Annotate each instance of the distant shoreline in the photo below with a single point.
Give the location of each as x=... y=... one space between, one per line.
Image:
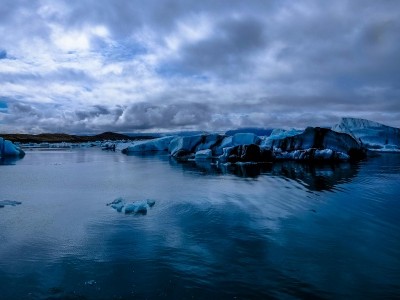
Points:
x=62 y=137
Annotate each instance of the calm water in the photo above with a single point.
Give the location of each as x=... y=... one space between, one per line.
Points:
x=286 y=231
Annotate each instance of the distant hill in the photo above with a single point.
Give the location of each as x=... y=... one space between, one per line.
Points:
x=255 y=130
x=62 y=137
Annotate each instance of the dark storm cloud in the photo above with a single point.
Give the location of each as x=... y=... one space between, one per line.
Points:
x=124 y=17
x=228 y=49
x=23 y=110
x=145 y=116
x=96 y=111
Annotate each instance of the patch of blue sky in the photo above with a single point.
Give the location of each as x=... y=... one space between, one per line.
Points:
x=172 y=70
x=3 y=106
x=3 y=54
x=125 y=50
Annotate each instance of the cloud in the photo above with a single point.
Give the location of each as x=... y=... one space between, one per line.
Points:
x=126 y=65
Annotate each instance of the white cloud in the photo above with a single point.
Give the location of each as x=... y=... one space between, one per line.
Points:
x=259 y=64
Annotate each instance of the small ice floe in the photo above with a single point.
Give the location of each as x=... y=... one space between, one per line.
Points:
x=9 y=202
x=137 y=207
x=90 y=282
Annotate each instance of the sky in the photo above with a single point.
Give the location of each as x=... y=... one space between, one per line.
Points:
x=90 y=66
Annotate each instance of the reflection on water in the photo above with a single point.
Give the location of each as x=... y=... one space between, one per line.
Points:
x=316 y=177
x=285 y=230
x=8 y=160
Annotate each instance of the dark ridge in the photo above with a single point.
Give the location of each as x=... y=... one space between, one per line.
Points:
x=62 y=137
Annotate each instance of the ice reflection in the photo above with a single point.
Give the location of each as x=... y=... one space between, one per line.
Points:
x=315 y=177
x=9 y=160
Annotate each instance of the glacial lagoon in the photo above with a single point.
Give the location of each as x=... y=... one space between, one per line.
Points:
x=284 y=231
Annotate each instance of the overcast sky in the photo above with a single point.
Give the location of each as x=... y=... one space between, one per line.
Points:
x=88 y=66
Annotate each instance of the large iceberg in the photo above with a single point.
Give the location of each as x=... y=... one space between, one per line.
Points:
x=313 y=144
x=318 y=144
x=159 y=144
x=7 y=148
x=372 y=135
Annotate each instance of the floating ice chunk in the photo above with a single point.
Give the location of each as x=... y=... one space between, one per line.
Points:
x=118 y=204
x=137 y=207
x=90 y=282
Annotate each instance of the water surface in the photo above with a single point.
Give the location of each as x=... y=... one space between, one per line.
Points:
x=286 y=230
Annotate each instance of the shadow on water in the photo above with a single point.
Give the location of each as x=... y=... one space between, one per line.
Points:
x=315 y=177
x=9 y=160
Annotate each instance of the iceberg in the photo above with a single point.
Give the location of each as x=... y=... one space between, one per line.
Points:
x=246 y=153
x=184 y=146
x=137 y=207
x=372 y=135
x=236 y=140
x=318 y=144
x=159 y=144
x=187 y=146
x=7 y=148
x=312 y=144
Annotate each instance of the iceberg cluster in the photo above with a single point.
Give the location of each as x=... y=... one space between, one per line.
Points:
x=7 y=149
x=312 y=144
x=372 y=135
x=137 y=207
